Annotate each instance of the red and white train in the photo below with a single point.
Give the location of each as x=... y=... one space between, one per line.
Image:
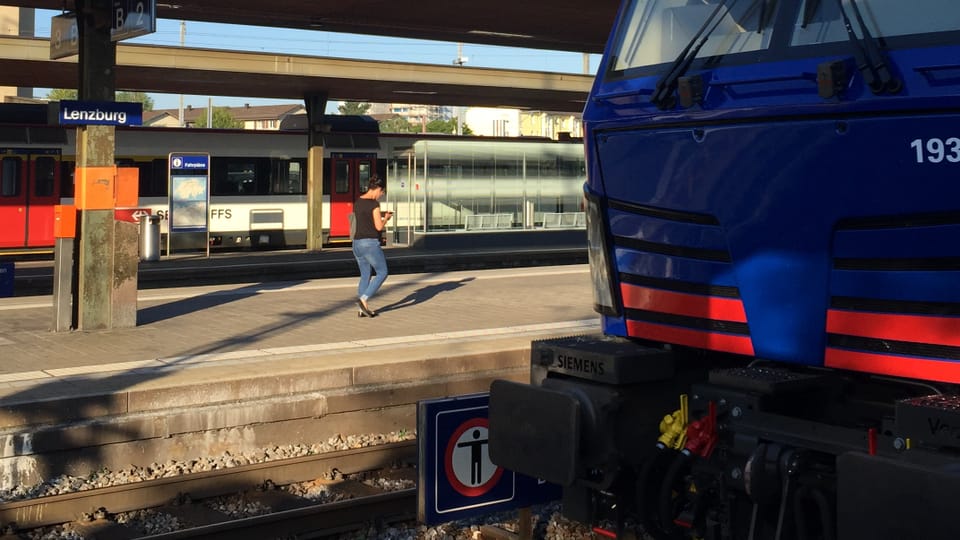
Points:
x=258 y=179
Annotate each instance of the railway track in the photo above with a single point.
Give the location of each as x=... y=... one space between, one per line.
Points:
x=317 y=520
x=350 y=503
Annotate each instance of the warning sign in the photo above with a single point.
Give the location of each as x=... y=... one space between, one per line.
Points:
x=457 y=478
x=467 y=461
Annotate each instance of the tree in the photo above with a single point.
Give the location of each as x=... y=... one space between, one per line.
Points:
x=446 y=126
x=353 y=107
x=136 y=97
x=398 y=124
x=221 y=119
x=60 y=94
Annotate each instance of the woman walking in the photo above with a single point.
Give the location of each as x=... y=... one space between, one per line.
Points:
x=370 y=223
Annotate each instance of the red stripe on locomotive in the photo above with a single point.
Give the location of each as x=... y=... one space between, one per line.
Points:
x=692 y=338
x=898 y=327
x=895 y=365
x=690 y=305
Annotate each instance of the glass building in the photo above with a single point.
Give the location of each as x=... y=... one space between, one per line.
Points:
x=438 y=185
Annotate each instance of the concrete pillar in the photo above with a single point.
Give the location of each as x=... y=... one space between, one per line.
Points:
x=106 y=265
x=315 y=105
x=315 y=198
x=98 y=54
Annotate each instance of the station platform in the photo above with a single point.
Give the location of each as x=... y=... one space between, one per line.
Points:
x=35 y=277
x=219 y=332
x=248 y=366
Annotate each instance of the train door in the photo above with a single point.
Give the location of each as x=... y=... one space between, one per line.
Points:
x=349 y=174
x=28 y=192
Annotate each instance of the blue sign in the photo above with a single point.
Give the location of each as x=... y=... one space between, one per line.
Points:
x=457 y=478
x=189 y=162
x=189 y=193
x=103 y=113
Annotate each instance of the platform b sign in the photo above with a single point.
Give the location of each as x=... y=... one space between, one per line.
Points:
x=130 y=18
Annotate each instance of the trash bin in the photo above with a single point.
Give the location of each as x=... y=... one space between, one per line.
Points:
x=6 y=279
x=150 y=238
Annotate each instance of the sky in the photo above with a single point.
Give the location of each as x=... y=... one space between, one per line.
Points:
x=328 y=44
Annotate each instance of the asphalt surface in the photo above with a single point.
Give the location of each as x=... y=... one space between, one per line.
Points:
x=35 y=277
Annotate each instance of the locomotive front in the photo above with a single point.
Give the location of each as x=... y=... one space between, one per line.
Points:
x=771 y=208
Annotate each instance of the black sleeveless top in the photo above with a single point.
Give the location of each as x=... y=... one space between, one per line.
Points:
x=363 y=209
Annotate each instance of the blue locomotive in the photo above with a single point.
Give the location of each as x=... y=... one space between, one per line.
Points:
x=773 y=208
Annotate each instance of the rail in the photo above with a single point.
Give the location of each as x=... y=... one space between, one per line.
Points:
x=59 y=509
x=318 y=520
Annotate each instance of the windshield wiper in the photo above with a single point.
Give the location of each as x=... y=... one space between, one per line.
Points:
x=870 y=59
x=766 y=11
x=809 y=8
x=663 y=96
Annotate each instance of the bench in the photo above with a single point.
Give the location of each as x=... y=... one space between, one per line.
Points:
x=564 y=220
x=488 y=221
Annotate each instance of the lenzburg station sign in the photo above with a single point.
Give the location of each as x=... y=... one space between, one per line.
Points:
x=102 y=113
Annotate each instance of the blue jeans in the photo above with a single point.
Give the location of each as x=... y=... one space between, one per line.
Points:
x=369 y=257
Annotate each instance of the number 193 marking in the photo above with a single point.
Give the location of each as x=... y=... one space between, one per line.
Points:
x=936 y=150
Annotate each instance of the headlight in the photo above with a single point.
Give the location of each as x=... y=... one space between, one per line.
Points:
x=600 y=269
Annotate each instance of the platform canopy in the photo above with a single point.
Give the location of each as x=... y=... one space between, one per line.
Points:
x=565 y=25
x=148 y=68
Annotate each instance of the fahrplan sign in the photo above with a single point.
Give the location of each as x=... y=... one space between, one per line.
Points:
x=102 y=113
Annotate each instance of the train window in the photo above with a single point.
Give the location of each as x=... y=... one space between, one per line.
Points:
x=144 y=180
x=10 y=179
x=232 y=176
x=14 y=134
x=151 y=176
x=337 y=140
x=156 y=174
x=341 y=177
x=241 y=178
x=288 y=176
x=45 y=176
x=657 y=31
x=66 y=178
x=884 y=18
x=366 y=141
x=364 y=170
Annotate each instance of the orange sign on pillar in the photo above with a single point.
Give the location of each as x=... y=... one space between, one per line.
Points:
x=128 y=186
x=64 y=221
x=96 y=188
